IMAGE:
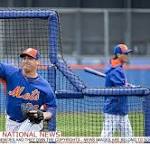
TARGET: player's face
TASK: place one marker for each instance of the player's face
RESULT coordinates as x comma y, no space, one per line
29,64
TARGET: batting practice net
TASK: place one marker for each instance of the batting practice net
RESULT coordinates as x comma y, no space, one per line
79,108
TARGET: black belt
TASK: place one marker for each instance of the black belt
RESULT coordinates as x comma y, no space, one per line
19,121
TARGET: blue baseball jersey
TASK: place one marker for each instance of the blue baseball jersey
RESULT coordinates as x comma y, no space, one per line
21,89
117,105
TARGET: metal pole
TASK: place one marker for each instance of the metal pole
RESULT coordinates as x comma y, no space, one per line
128,28
29,3
78,37
106,35
10,3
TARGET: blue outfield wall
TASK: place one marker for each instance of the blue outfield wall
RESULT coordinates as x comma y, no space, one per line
137,77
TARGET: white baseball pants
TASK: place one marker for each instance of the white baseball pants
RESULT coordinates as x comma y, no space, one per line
113,123
24,126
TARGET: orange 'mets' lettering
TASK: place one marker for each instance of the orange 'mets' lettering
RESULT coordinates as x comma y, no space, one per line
16,92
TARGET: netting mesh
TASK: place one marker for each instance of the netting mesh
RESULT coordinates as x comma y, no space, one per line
82,116
17,35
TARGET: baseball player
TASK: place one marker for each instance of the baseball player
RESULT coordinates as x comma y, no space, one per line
116,108
27,92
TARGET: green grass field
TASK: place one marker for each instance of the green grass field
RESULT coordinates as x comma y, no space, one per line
84,124
2,122
91,124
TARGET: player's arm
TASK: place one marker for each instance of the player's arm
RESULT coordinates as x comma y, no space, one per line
50,105
50,112
47,115
6,70
49,102
118,78
2,70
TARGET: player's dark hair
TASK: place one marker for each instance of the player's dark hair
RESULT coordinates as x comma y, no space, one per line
115,57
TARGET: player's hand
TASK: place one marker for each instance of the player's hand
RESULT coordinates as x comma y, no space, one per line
47,115
132,85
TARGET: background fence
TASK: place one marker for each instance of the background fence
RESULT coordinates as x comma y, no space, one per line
90,34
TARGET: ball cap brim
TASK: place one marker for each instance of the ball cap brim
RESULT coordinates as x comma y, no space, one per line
128,51
34,53
122,49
